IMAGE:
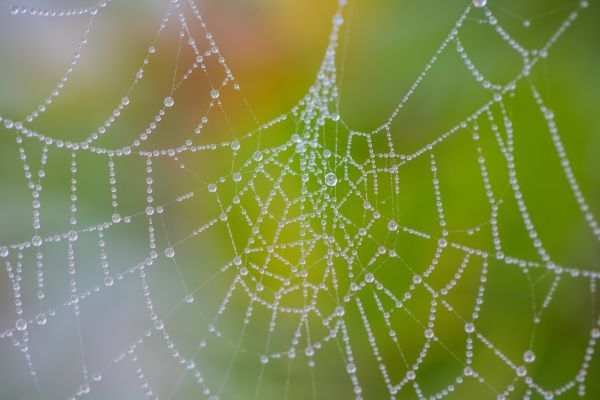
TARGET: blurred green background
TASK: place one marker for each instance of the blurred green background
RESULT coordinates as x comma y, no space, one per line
274,49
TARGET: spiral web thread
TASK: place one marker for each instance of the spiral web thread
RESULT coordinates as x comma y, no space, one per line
349,249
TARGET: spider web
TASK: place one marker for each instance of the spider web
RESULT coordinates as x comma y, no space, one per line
317,268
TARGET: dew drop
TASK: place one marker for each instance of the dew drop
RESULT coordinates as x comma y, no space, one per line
169,252
529,356
116,218
72,236
212,188
479,3
469,327
36,241
214,94
21,324
41,319
392,225
330,179
521,371
257,156
4,251
189,299
369,277
351,368
108,281
169,102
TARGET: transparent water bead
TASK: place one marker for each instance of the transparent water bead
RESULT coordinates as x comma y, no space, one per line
351,368
72,236
469,327
189,299
96,377
169,102
330,179
529,356
116,218
41,319
214,94
36,241
4,251
169,252
21,324
392,225
479,3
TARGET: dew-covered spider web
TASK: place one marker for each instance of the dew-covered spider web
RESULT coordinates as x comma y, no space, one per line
171,254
